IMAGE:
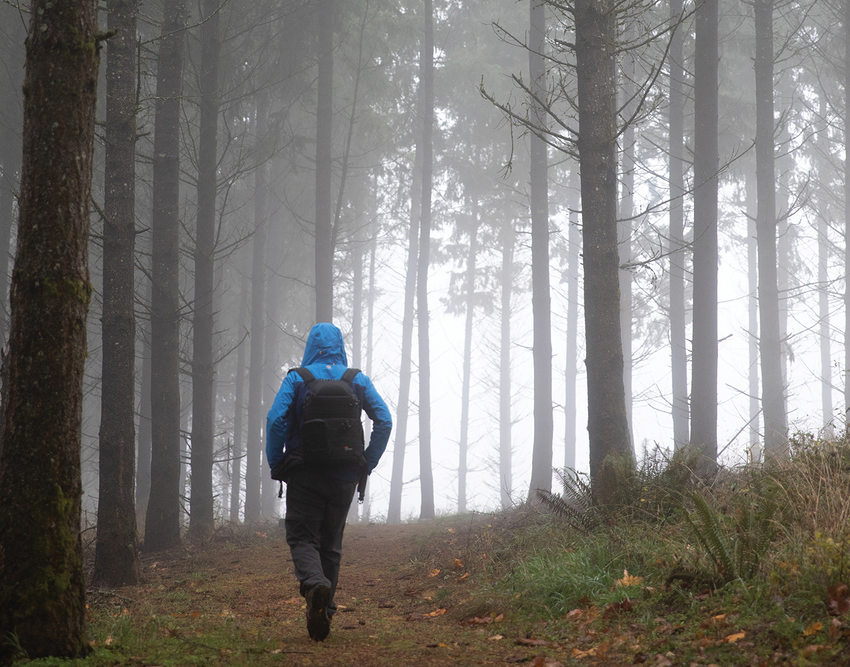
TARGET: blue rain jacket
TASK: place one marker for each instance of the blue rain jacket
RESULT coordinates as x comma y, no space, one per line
324,356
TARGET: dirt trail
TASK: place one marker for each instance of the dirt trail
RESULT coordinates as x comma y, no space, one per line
403,597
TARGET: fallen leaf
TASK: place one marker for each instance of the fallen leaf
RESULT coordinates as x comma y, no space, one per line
810,650
718,618
813,629
465,575
451,530
436,612
458,564
628,580
495,638
525,641
839,599
574,613
731,639
578,653
434,572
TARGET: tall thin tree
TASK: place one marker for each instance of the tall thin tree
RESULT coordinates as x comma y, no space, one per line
426,81
201,522
324,132
162,521
541,458
116,560
772,394
706,164
607,425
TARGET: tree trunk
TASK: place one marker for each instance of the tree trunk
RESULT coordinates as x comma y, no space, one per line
10,146
610,446
144,432
463,449
541,458
116,561
678,257
625,231
426,78
505,394
571,367
236,453
753,317
403,407
706,164
824,215
846,209
324,125
258,323
201,523
370,336
42,589
162,522
773,402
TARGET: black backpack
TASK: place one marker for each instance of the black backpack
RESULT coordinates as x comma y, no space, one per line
330,428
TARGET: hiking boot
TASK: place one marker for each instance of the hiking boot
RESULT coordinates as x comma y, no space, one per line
318,622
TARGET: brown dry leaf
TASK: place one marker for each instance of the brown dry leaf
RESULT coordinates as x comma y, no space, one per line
525,641
628,580
813,629
810,650
839,599
578,653
458,564
464,576
495,638
436,612
835,629
451,530
718,618
731,639
574,613
434,572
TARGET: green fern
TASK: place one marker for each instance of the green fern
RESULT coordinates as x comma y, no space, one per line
575,504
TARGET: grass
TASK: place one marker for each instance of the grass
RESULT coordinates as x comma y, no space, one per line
748,568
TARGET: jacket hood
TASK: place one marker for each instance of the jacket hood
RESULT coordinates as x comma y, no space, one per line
324,346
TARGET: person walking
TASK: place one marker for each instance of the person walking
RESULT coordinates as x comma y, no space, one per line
314,444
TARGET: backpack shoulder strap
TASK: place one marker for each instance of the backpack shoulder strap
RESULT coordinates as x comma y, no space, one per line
350,374
305,374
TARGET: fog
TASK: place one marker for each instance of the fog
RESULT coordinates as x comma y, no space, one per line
271,222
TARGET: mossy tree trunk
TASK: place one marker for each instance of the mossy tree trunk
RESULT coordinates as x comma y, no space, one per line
42,592
116,554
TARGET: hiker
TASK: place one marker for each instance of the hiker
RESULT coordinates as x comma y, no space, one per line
314,444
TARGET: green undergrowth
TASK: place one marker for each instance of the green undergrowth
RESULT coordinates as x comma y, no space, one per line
752,566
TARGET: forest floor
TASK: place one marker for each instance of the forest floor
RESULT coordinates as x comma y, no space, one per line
407,595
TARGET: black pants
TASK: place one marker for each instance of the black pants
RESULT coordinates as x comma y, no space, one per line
316,509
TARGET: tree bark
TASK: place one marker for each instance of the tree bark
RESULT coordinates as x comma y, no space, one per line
236,453
753,319
42,589
706,164
324,125
824,215
116,561
463,448
10,147
162,521
678,257
610,446
846,209
258,323
201,523
505,419
426,78
403,407
772,395
571,366
541,458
